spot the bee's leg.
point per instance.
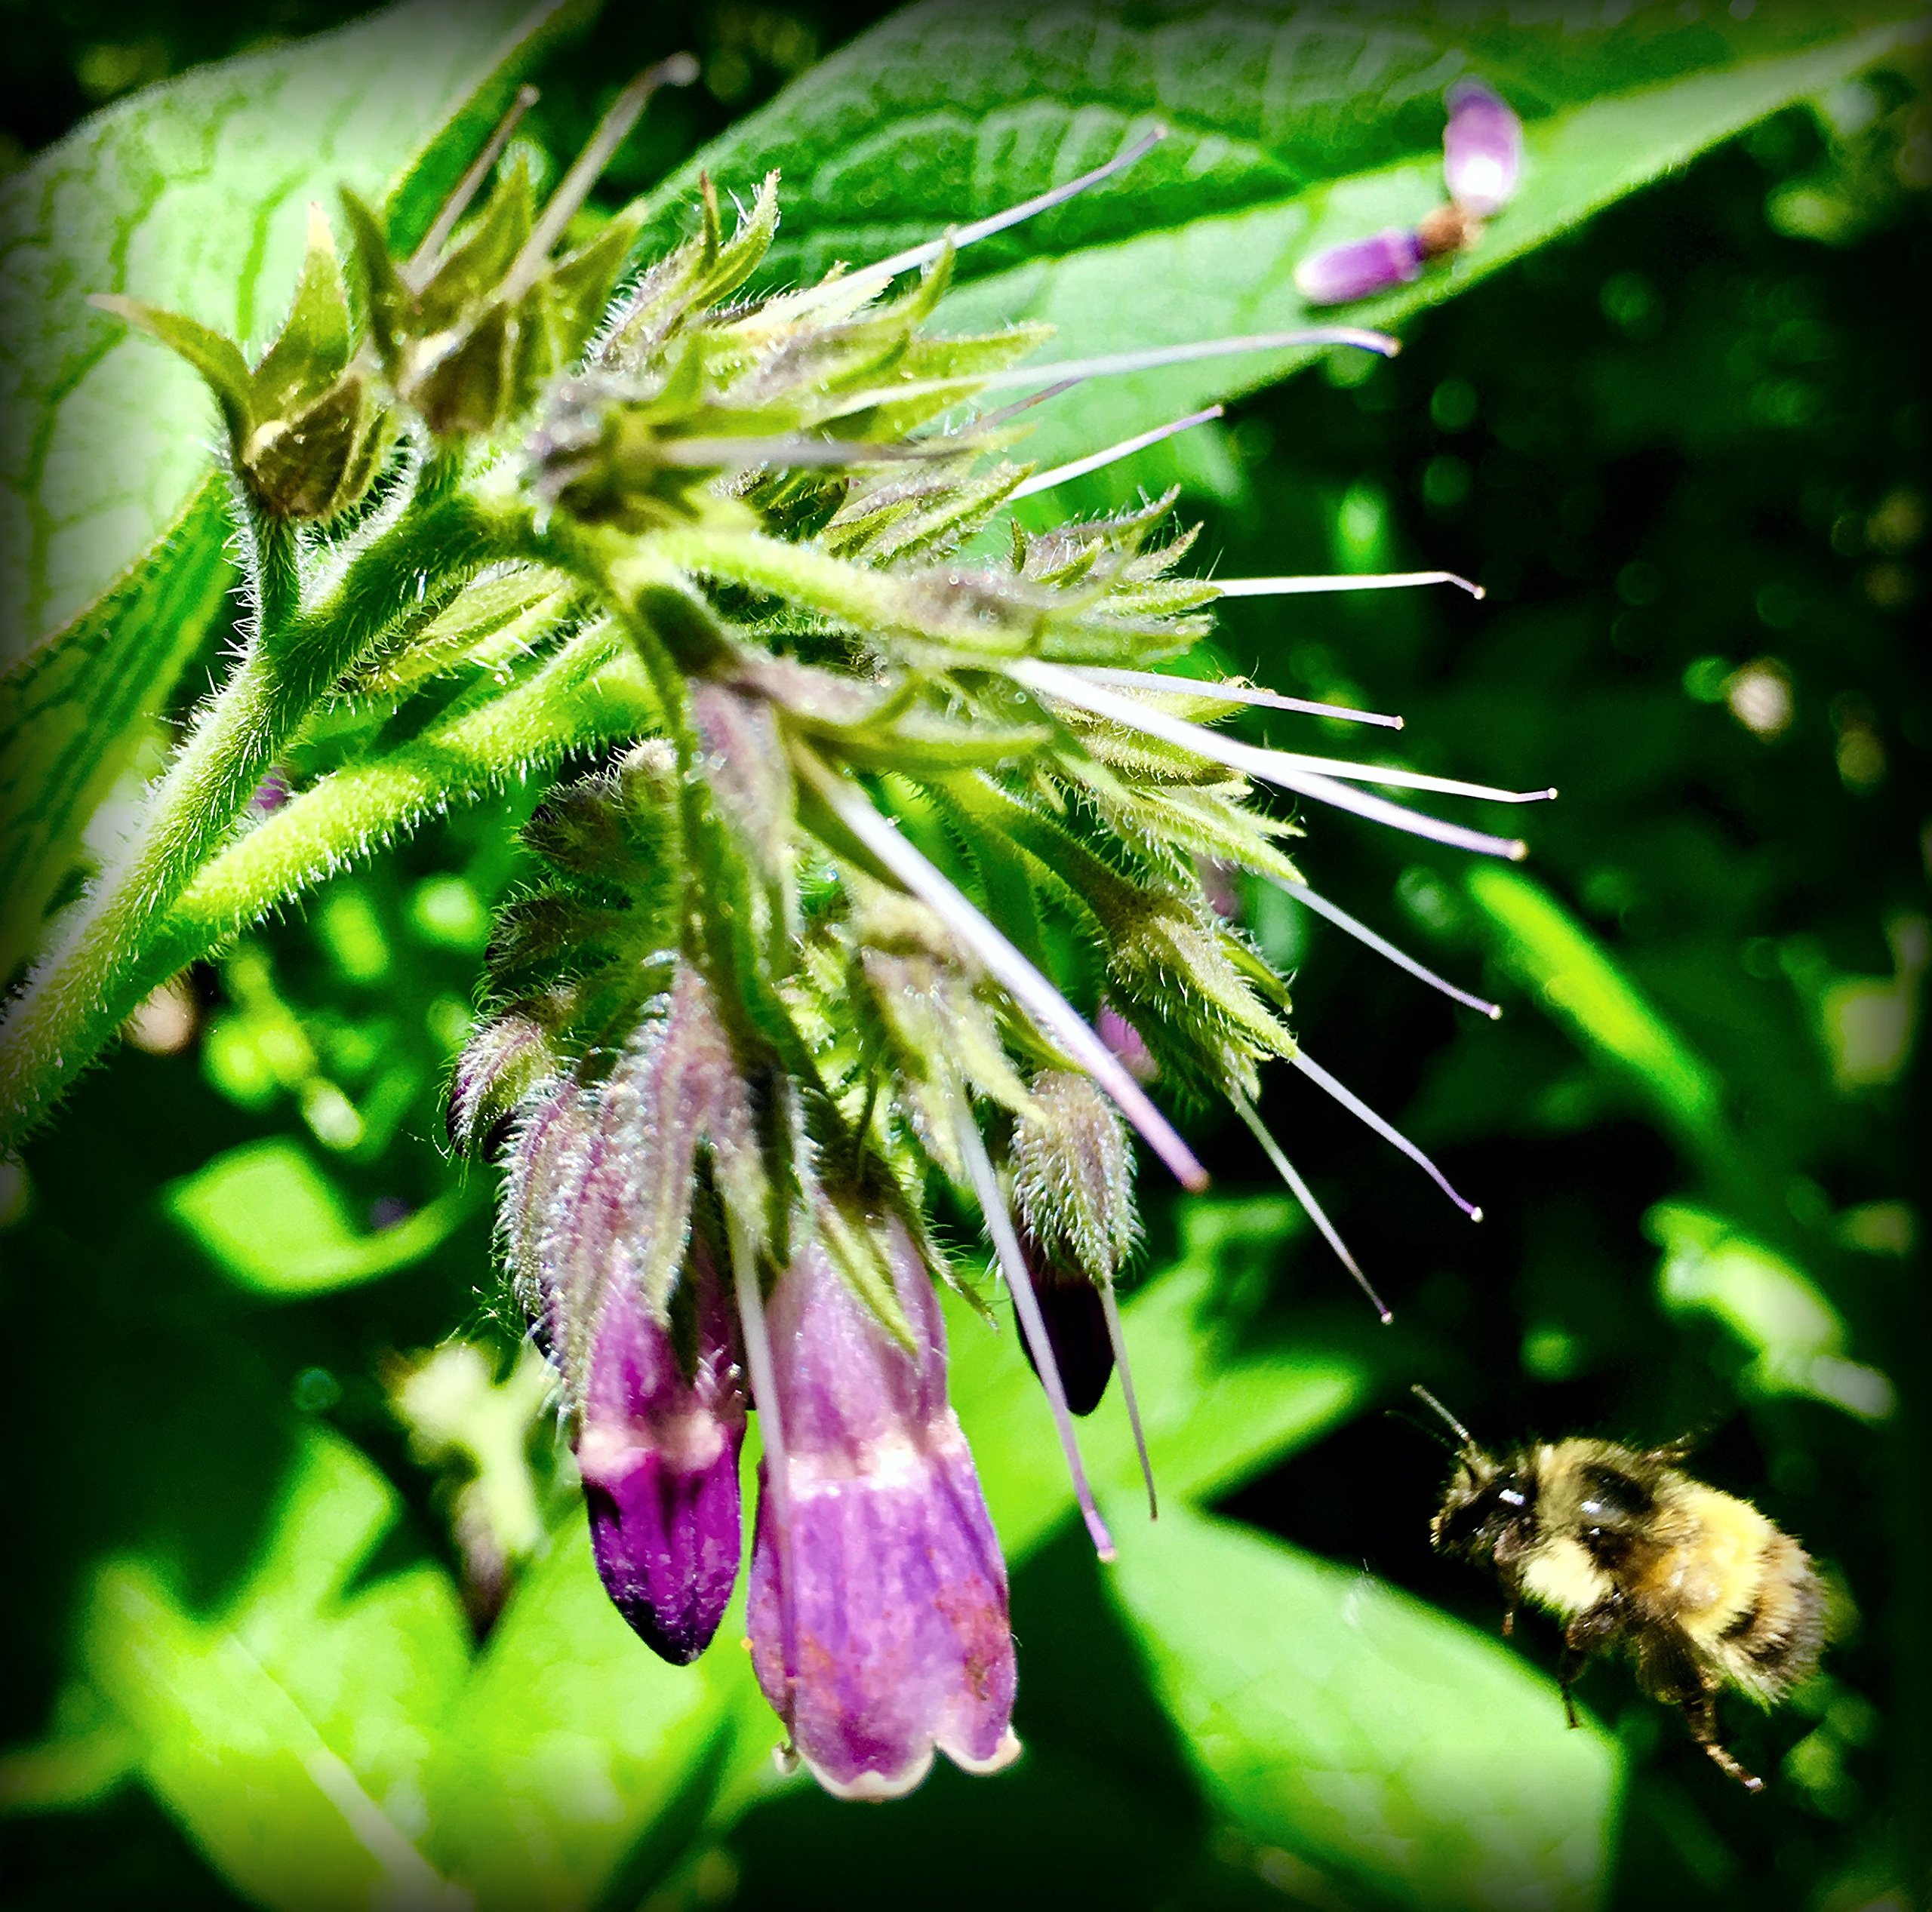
(1700, 1715)
(1592, 1631)
(1569, 1671)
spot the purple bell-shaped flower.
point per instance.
(658, 1446)
(878, 1603)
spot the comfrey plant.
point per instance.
(899, 876)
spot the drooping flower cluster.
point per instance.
(900, 889)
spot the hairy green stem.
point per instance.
(592, 693)
(76, 1000)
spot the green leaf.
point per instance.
(190, 195)
(1217, 1408)
(1290, 132)
(571, 1739)
(290, 1735)
(1796, 1335)
(1578, 984)
(273, 1221)
(1365, 1734)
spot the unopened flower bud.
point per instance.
(1482, 149)
(1360, 269)
(1076, 1319)
(658, 1445)
(878, 1621)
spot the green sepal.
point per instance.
(217, 359)
(312, 350)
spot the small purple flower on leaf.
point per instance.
(1360, 269)
(889, 1638)
(658, 1446)
(1482, 149)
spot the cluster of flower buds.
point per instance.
(804, 964)
(306, 429)
(1482, 158)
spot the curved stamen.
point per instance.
(1111, 364)
(681, 69)
(1295, 587)
(869, 279)
(1305, 1195)
(1117, 1340)
(1100, 460)
(424, 258)
(1386, 1130)
(1032, 1324)
(1314, 777)
(1055, 1016)
(1302, 894)
(1230, 693)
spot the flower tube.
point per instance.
(899, 1640)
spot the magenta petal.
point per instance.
(659, 1455)
(1360, 269)
(900, 1641)
(1482, 149)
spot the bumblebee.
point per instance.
(1696, 1586)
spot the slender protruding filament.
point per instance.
(869, 279)
(1056, 1017)
(1314, 777)
(1110, 365)
(426, 255)
(1360, 931)
(1117, 1340)
(1385, 1129)
(681, 69)
(1295, 587)
(1099, 460)
(1230, 693)
(1032, 1324)
(771, 1426)
(1429, 1401)
(1305, 1195)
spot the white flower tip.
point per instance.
(1399, 724)
(1476, 1214)
(1516, 850)
(1477, 591)
(681, 69)
(1494, 1012)
(1195, 1179)
(1385, 1315)
(1002, 1757)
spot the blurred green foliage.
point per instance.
(284, 1636)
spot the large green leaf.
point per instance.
(193, 196)
(1348, 1724)
(575, 1755)
(291, 1734)
(1292, 129)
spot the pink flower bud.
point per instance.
(1360, 269)
(1482, 149)
(658, 1449)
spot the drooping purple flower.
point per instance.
(879, 1621)
(1482, 149)
(1361, 268)
(658, 1446)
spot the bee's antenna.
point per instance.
(1422, 1428)
(1429, 1401)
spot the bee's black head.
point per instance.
(1489, 1511)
